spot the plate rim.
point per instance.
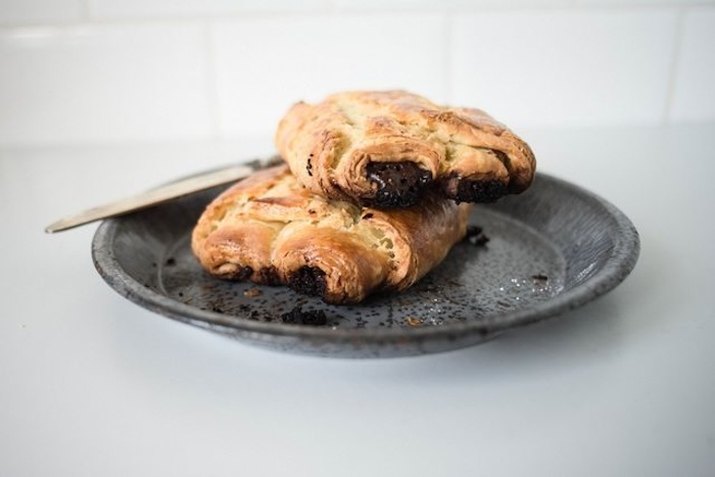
(619, 265)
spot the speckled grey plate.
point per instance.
(551, 249)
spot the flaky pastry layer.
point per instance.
(332, 148)
(269, 229)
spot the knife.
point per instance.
(153, 197)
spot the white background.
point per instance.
(97, 71)
(101, 98)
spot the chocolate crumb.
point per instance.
(540, 277)
(481, 241)
(171, 261)
(216, 309)
(299, 317)
(475, 236)
(309, 167)
(474, 230)
(252, 292)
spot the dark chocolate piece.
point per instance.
(269, 276)
(475, 236)
(308, 280)
(468, 190)
(243, 273)
(399, 184)
(310, 317)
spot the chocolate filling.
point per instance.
(467, 190)
(269, 276)
(399, 184)
(308, 280)
(243, 273)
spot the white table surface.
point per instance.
(93, 385)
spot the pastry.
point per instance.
(387, 148)
(271, 230)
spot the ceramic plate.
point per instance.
(549, 250)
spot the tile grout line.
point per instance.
(85, 10)
(212, 96)
(674, 63)
(88, 19)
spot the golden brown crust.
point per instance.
(329, 145)
(270, 229)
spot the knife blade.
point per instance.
(152, 197)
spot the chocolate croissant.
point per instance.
(269, 229)
(387, 148)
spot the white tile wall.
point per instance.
(265, 65)
(39, 11)
(102, 83)
(77, 71)
(166, 8)
(694, 92)
(502, 5)
(565, 67)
